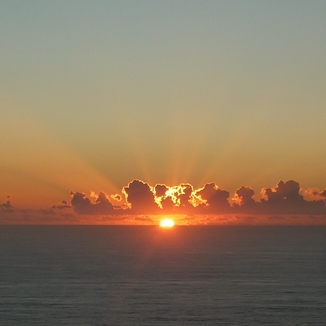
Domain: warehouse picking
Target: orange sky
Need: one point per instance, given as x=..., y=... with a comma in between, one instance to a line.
x=96, y=95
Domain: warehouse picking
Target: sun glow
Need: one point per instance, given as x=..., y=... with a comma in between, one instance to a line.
x=166, y=223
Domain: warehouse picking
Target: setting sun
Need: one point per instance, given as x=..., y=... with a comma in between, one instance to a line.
x=166, y=223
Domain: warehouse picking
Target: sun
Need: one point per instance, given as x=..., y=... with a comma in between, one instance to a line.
x=166, y=223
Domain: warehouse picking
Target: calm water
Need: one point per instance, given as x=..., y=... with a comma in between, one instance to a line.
x=100, y=275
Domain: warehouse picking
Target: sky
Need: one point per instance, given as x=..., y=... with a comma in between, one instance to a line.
x=96, y=95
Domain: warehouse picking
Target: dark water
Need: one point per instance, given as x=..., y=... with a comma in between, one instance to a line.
x=100, y=275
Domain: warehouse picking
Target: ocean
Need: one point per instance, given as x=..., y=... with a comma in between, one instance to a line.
x=147, y=275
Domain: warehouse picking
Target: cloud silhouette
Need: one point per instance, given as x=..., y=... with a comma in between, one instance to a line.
x=244, y=195
x=141, y=198
x=62, y=205
x=186, y=197
x=168, y=206
x=244, y=201
x=83, y=205
x=140, y=203
x=284, y=191
x=160, y=190
x=176, y=199
x=285, y=198
x=7, y=207
x=216, y=199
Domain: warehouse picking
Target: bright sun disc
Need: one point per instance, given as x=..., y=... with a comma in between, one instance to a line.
x=166, y=223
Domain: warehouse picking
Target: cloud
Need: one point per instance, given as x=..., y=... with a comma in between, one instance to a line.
x=116, y=197
x=284, y=191
x=175, y=199
x=168, y=206
x=244, y=201
x=160, y=190
x=186, y=197
x=316, y=193
x=286, y=199
x=244, y=196
x=215, y=198
x=83, y=205
x=146, y=219
x=141, y=198
x=62, y=205
x=6, y=207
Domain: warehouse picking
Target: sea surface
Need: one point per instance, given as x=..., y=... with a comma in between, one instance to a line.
x=146, y=275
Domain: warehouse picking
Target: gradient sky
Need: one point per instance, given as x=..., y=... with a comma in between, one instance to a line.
x=97, y=93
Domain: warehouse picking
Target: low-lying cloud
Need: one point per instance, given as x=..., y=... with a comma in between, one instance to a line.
x=140, y=201
x=139, y=197
x=6, y=207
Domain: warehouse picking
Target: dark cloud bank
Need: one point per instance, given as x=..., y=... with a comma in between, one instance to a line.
x=207, y=205
x=141, y=198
